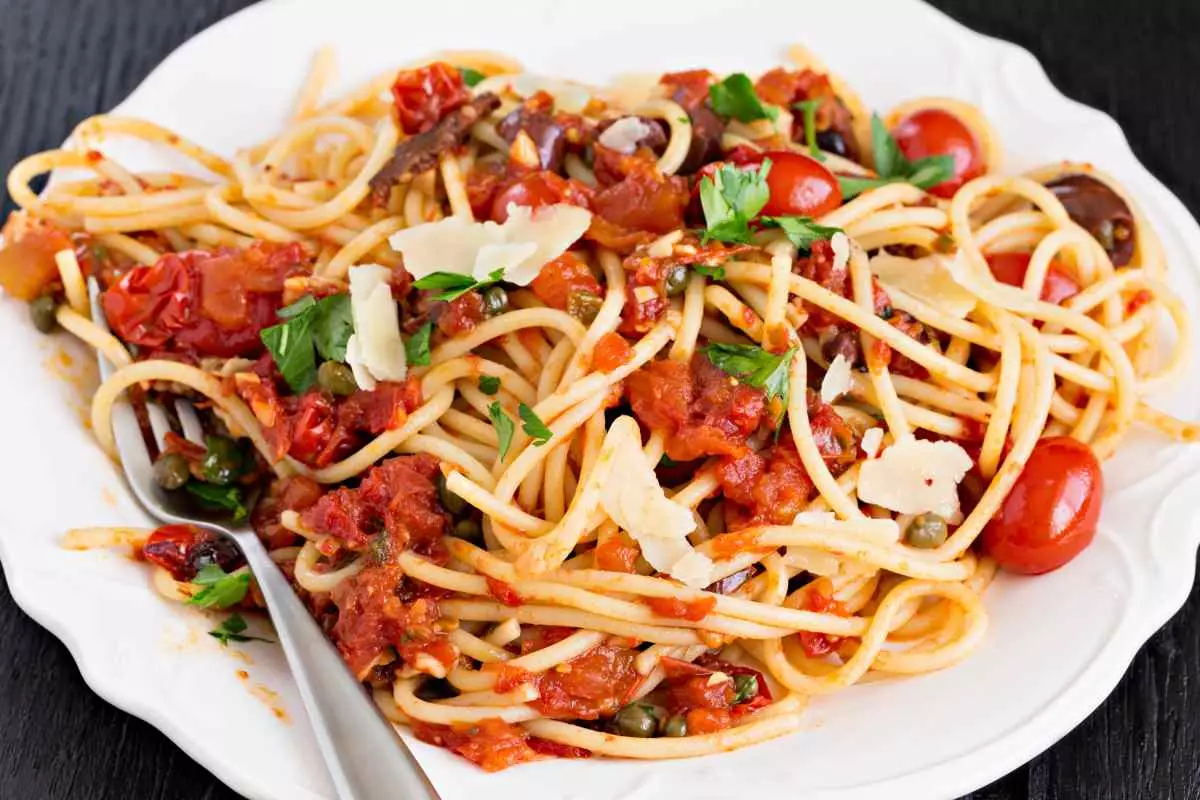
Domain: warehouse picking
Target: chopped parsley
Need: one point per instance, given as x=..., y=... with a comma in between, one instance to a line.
x=809, y=109
x=731, y=198
x=713, y=273
x=802, y=231
x=416, y=348
x=470, y=76
x=453, y=285
x=489, y=384
x=325, y=325
x=233, y=630
x=219, y=498
x=533, y=426
x=218, y=588
x=893, y=166
x=504, y=426
x=753, y=366
x=745, y=688
x=735, y=97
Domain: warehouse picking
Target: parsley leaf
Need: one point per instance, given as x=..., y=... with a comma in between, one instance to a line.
x=218, y=498
x=470, y=76
x=746, y=687
x=489, y=384
x=504, y=426
x=220, y=590
x=731, y=198
x=735, y=97
x=714, y=273
x=308, y=323
x=233, y=630
x=802, y=231
x=893, y=167
x=454, y=285
x=809, y=109
x=753, y=366
x=533, y=426
x=416, y=347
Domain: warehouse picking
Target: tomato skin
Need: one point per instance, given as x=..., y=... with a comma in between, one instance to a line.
x=1010, y=268
x=800, y=186
x=934, y=132
x=1050, y=514
x=536, y=190
x=423, y=96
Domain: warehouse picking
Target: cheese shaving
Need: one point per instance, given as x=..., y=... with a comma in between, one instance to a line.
x=871, y=440
x=841, y=251
x=375, y=351
x=624, y=134
x=837, y=380
x=929, y=279
x=915, y=476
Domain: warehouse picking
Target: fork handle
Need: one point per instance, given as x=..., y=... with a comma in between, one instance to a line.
x=365, y=757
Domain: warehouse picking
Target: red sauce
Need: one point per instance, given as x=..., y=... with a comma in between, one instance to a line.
x=728, y=545
x=206, y=303
x=1140, y=298
x=709, y=704
x=693, y=610
x=819, y=268
x=492, y=744
x=462, y=314
x=561, y=278
x=506, y=593
x=644, y=204
x=27, y=266
x=616, y=552
x=689, y=88
x=285, y=494
x=785, y=88
x=612, y=350
x=818, y=597
x=424, y=95
x=702, y=410
x=593, y=684
x=765, y=488
x=835, y=439
x=183, y=550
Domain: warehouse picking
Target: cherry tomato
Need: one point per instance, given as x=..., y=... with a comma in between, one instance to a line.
x=800, y=186
x=933, y=132
x=1010, y=268
x=423, y=96
x=1050, y=515
x=535, y=190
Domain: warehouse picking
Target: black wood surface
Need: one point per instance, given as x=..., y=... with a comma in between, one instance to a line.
x=62, y=60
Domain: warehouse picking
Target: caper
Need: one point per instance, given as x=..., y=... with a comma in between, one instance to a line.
x=637, y=720
x=450, y=501
x=495, y=300
x=171, y=471
x=675, y=726
x=223, y=461
x=745, y=688
x=468, y=530
x=336, y=378
x=926, y=531
x=675, y=280
x=43, y=313
x=584, y=306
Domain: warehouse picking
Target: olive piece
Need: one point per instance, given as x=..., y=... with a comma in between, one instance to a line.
x=450, y=501
x=675, y=726
x=845, y=344
x=336, y=378
x=42, y=312
x=926, y=531
x=831, y=141
x=495, y=300
x=675, y=280
x=468, y=530
x=1099, y=210
x=637, y=720
x=584, y=306
x=223, y=461
x=171, y=471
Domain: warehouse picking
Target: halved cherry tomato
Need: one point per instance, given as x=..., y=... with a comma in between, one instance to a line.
x=1050, y=515
x=424, y=95
x=539, y=189
x=934, y=132
x=800, y=185
x=1010, y=268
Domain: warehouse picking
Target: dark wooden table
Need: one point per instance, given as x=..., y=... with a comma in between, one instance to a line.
x=62, y=60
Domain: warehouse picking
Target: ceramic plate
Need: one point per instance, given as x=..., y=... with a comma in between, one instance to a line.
x=1056, y=645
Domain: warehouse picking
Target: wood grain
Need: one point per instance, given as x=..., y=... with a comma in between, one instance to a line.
x=61, y=61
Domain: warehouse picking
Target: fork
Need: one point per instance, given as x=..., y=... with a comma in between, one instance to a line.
x=365, y=758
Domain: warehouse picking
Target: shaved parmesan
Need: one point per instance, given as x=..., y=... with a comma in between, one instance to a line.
x=841, y=251
x=633, y=498
x=624, y=134
x=525, y=243
x=929, y=279
x=837, y=380
x=915, y=476
x=871, y=439
x=375, y=351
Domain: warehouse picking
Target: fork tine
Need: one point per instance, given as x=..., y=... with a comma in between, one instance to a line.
x=106, y=367
x=159, y=424
x=193, y=431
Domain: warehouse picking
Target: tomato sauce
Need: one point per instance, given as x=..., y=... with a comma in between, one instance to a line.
x=27, y=266
x=692, y=610
x=616, y=552
x=296, y=493
x=702, y=410
x=506, y=593
x=612, y=351
x=595, y=683
x=765, y=488
x=818, y=597
x=563, y=277
x=492, y=744
x=424, y=95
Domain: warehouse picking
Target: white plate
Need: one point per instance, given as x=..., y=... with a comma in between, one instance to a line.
x=1056, y=646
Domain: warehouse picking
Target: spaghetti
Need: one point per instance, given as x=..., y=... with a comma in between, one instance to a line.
x=612, y=421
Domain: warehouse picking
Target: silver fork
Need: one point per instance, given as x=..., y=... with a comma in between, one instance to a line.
x=364, y=756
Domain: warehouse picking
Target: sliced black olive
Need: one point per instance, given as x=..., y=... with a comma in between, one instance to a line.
x=845, y=344
x=831, y=141
x=1100, y=211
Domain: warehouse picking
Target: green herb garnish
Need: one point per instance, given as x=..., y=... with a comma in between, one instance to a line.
x=220, y=589
x=533, y=426
x=233, y=630
x=731, y=198
x=218, y=498
x=489, y=384
x=753, y=366
x=802, y=231
x=735, y=97
x=504, y=426
x=453, y=285
x=893, y=166
x=470, y=76
x=416, y=348
x=325, y=325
